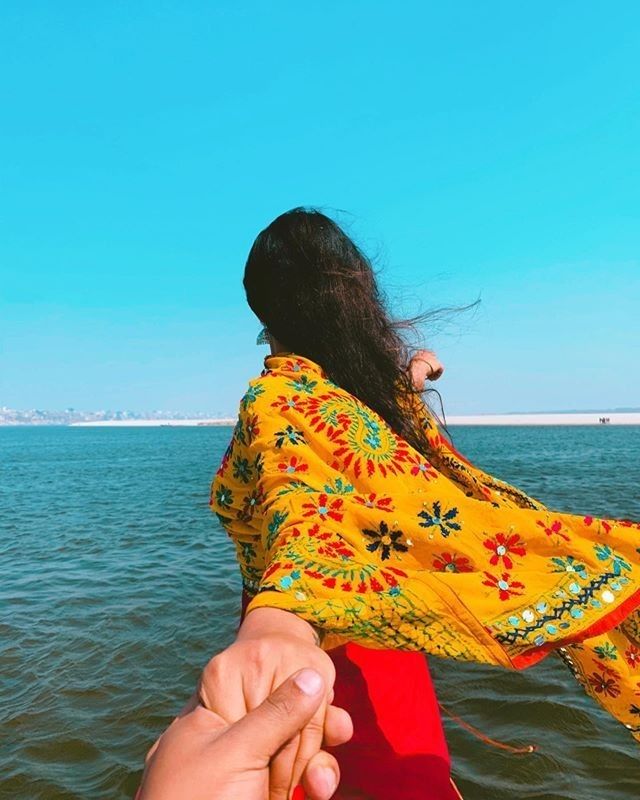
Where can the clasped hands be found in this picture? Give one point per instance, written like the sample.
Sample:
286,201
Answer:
258,723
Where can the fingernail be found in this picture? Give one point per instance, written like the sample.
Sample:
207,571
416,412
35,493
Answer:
309,681
324,779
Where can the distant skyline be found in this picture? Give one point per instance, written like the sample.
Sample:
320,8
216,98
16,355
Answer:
484,151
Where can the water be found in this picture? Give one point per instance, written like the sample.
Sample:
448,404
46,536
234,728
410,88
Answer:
118,585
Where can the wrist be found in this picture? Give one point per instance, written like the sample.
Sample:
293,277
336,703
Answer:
264,621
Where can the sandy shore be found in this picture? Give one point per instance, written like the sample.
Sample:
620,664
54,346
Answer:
472,419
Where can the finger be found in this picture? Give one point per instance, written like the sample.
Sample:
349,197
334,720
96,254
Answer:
281,770
321,777
220,694
338,727
310,744
262,732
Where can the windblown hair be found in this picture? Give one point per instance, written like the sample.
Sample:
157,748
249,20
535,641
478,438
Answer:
316,292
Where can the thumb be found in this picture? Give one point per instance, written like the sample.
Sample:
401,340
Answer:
256,737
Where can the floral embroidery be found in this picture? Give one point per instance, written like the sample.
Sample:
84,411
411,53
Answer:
443,521
251,395
503,547
605,553
555,529
242,469
250,503
303,384
339,486
604,685
569,564
331,546
607,652
293,464
324,508
503,583
289,435
305,488
385,540
449,562
224,496
372,500
421,467
632,657
286,403
251,428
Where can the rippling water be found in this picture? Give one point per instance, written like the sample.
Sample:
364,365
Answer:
118,585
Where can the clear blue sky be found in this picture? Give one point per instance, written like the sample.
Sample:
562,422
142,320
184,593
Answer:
477,149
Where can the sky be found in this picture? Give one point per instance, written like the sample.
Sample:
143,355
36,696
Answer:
475,150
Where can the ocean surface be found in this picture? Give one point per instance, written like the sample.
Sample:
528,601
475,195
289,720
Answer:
117,586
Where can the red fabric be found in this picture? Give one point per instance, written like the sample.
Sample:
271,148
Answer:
398,749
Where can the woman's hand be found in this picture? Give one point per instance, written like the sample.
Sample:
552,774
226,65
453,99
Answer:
425,366
270,646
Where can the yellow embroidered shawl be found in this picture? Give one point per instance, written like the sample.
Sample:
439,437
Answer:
340,521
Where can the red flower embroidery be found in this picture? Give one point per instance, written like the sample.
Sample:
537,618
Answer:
325,508
555,529
589,520
294,464
447,562
346,587
373,501
376,585
503,583
419,466
632,656
603,685
283,403
503,546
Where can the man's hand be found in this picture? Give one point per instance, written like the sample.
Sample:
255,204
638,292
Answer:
202,757
425,366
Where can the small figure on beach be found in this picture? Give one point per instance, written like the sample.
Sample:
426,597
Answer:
367,541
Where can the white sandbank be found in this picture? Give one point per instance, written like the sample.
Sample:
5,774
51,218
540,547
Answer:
612,418
471,419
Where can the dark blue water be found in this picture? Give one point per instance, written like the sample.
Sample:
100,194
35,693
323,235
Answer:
118,585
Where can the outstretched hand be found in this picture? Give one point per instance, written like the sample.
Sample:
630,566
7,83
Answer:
203,757
425,366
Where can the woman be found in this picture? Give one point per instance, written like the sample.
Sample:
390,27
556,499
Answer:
359,528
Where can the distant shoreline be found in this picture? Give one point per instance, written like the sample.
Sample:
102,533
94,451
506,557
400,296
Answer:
154,423
470,420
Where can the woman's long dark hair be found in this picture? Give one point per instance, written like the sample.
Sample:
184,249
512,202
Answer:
316,292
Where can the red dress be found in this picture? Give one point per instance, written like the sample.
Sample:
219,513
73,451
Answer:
398,750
